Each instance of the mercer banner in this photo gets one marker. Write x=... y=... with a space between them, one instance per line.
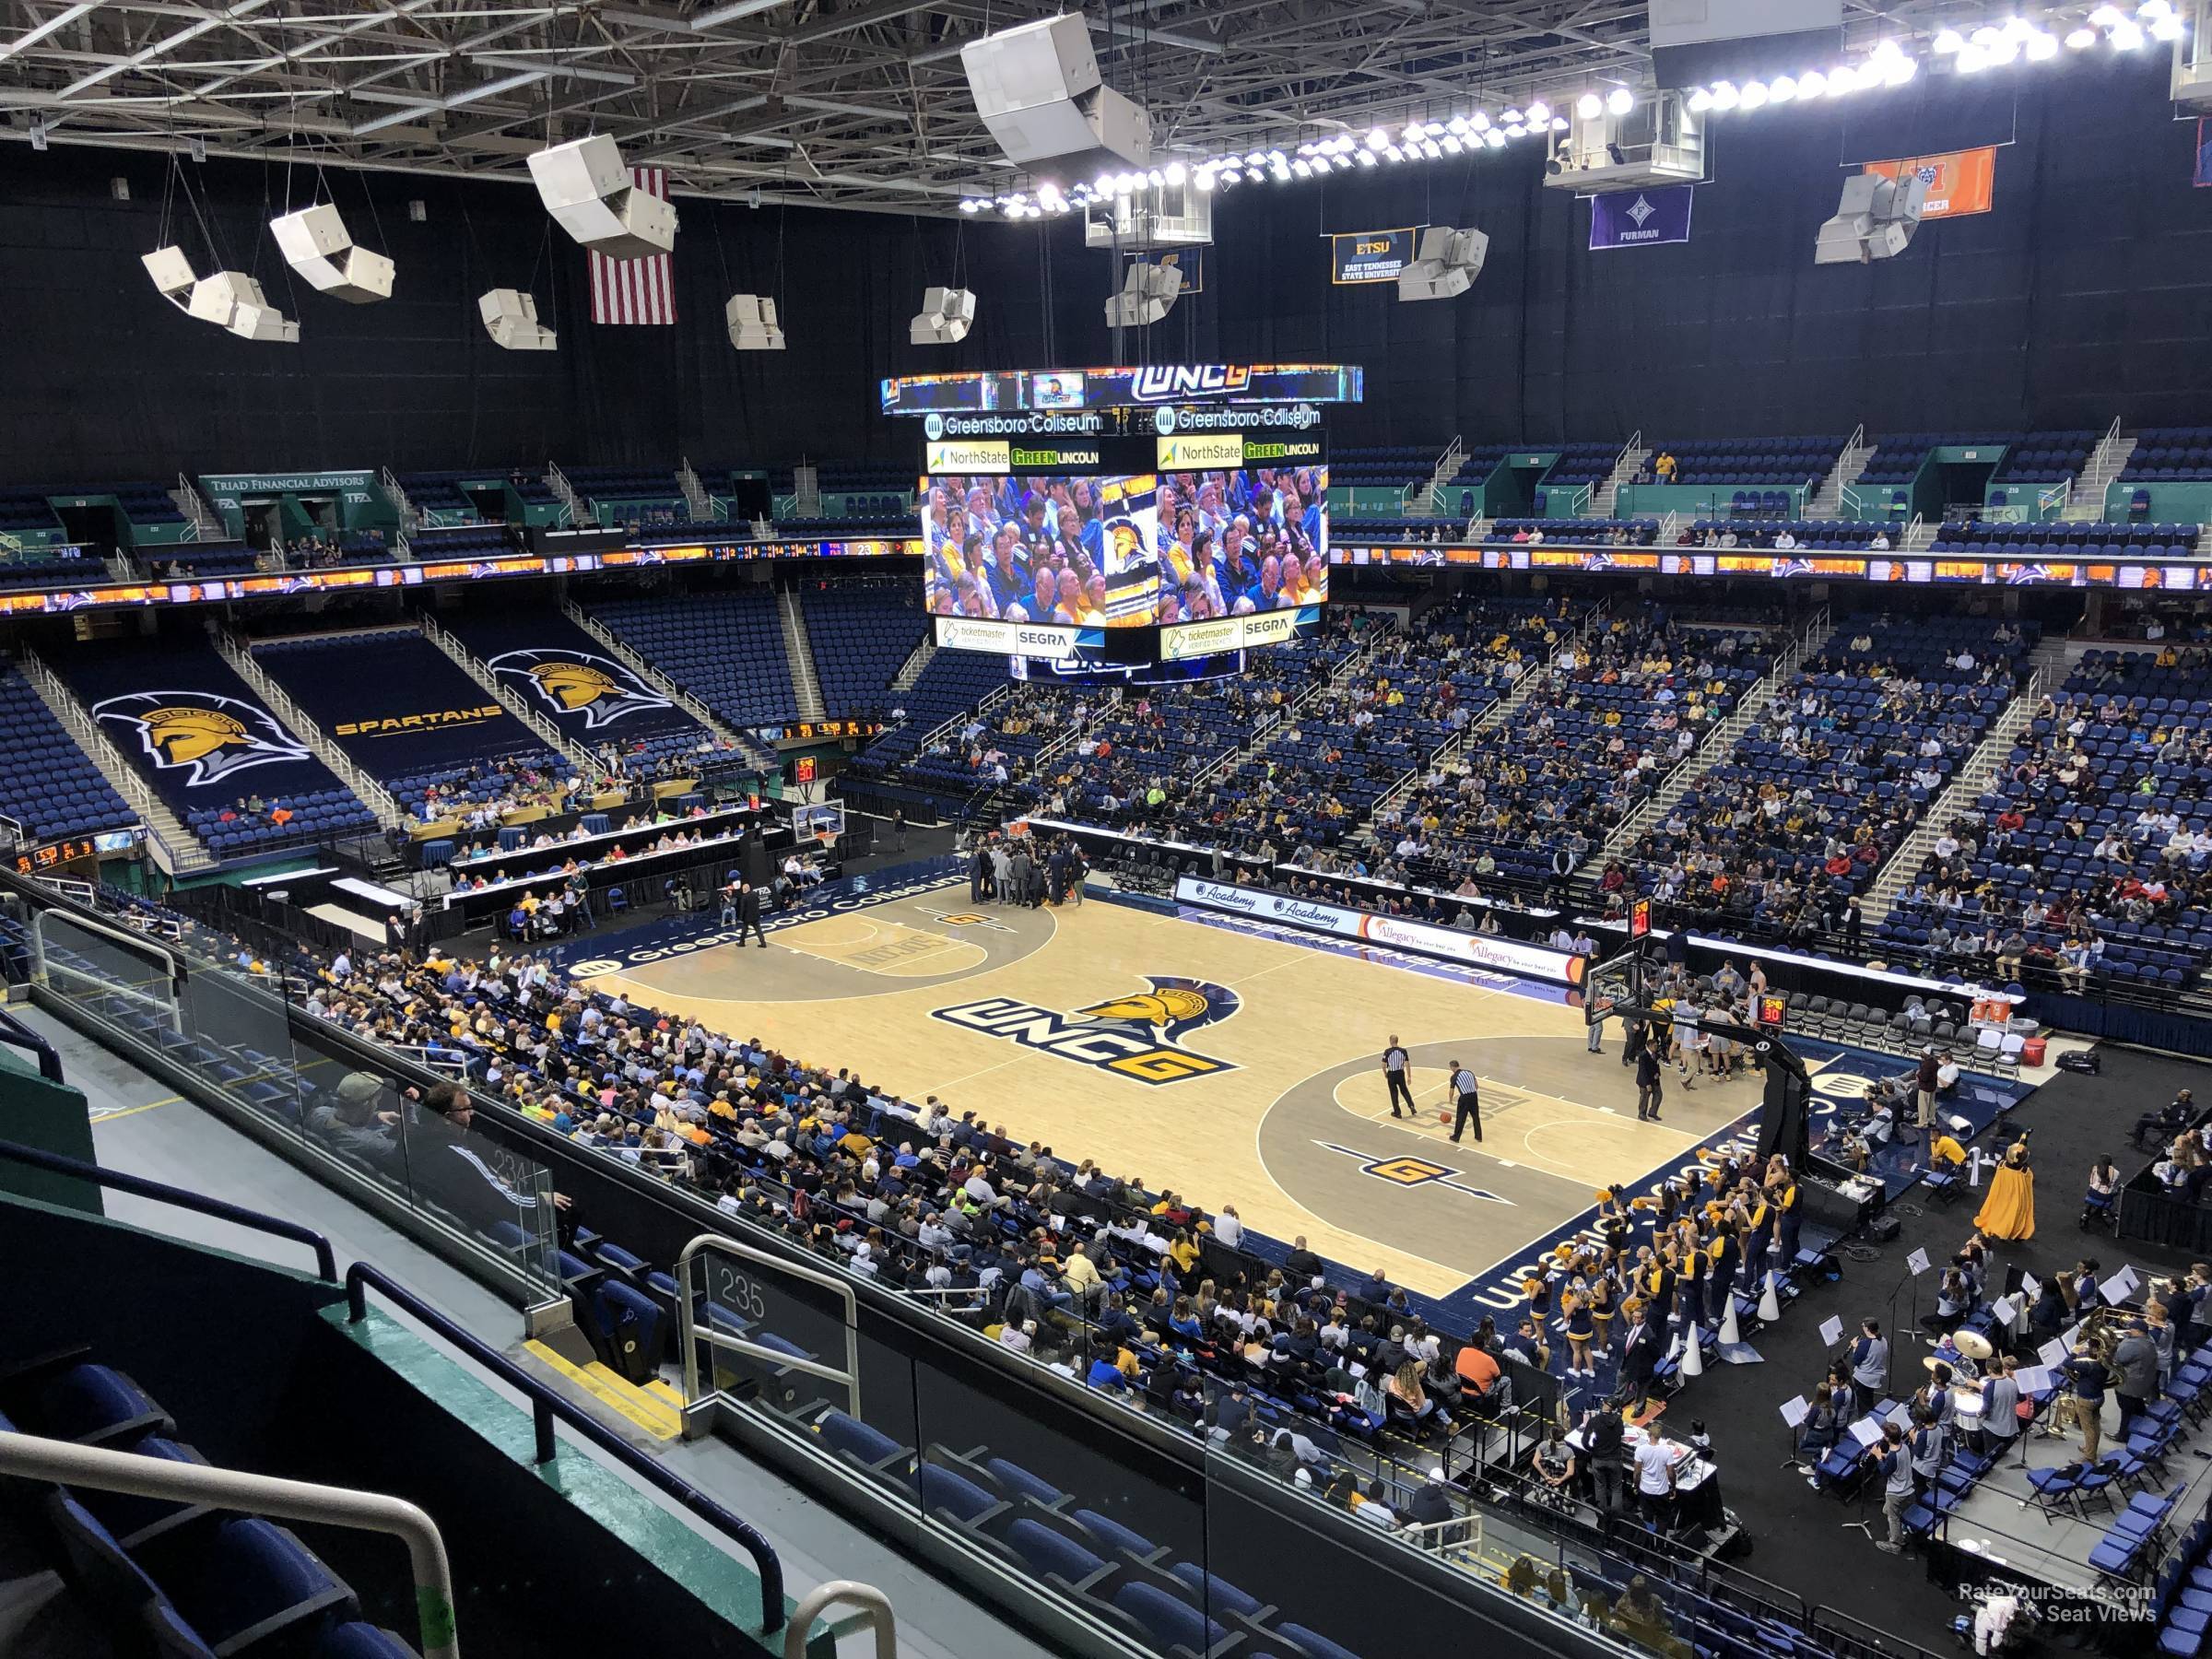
x=1959 y=181
x=1641 y=218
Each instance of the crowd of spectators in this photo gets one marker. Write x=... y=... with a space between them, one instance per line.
x=1613 y=712
x=1788 y=830
x=2091 y=852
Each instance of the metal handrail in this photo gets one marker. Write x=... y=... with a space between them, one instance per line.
x=691 y=1335
x=139 y=1186
x=39 y=1459
x=137 y=941
x=15 y=1034
x=870 y=1600
x=547 y=1406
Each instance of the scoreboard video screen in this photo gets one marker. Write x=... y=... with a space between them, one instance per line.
x=1111 y=549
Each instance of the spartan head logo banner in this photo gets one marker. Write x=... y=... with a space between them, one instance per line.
x=206 y=737
x=577 y=682
x=1135 y=1036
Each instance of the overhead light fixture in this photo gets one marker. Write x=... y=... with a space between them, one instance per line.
x=2081 y=40
x=2041 y=48
x=314 y=243
x=1946 y=41
x=1539 y=113
x=511 y=319
x=1495 y=139
x=594 y=198
x=1148 y=294
x=1203 y=178
x=1589 y=106
x=1783 y=91
x=2168 y=28
x=1620 y=100
x=945 y=318
x=1724 y=96
x=1811 y=84
x=731 y=13
x=1876 y=220
x=1367 y=158
x=1445 y=264
x=2126 y=37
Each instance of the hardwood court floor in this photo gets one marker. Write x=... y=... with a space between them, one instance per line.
x=1277 y=1105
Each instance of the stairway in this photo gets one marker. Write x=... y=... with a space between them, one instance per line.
x=1968 y=784
x=206 y=524
x=916 y=661
x=1828 y=502
x=372 y=794
x=1432 y=503
x=550 y=735
x=1497 y=714
x=806 y=491
x=1919 y=537
x=800 y=651
x=667 y=687
x=410 y=515
x=1632 y=457
x=579 y=513
x=174 y=848
x=2085 y=505
x=697 y=501
x=1716 y=745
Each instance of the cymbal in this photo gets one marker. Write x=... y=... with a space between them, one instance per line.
x=1973 y=1344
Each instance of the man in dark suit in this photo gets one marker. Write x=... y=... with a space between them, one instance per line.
x=749 y=914
x=1638 y=1357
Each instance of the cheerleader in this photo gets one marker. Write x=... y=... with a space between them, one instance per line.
x=1692 y=1281
x=1604 y=1290
x=1575 y=1305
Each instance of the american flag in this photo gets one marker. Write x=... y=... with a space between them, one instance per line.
x=635 y=290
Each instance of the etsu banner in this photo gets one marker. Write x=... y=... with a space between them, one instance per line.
x=1641 y=218
x=2204 y=155
x=1369 y=255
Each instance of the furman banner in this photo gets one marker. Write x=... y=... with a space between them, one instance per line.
x=1641 y=218
x=1358 y=257
x=1959 y=181
x=1394 y=933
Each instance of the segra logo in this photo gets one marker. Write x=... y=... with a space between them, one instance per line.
x=1134 y=1036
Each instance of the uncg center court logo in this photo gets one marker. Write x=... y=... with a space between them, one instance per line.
x=1137 y=1036
x=577 y=682
x=205 y=735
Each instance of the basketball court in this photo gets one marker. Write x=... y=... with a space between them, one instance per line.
x=1224 y=1060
